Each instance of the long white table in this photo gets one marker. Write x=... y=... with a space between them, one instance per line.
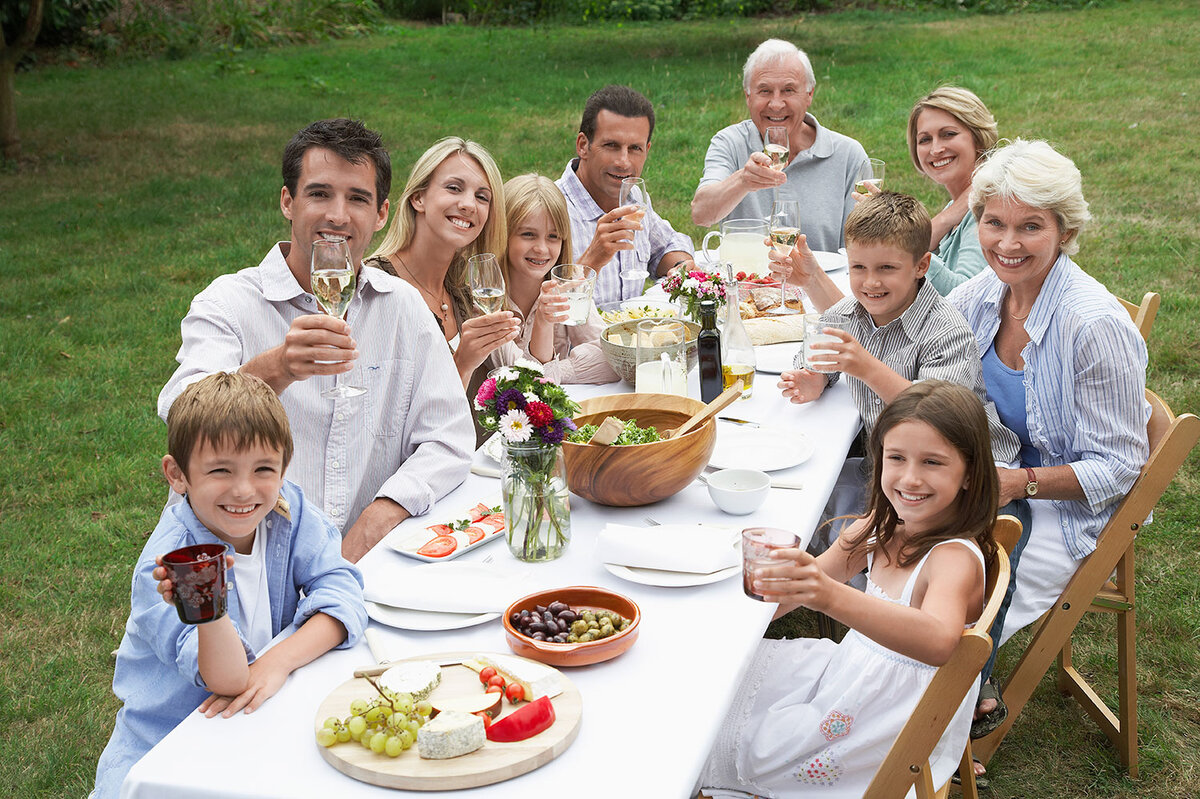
x=652 y=714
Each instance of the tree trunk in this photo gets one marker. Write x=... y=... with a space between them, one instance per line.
x=10 y=56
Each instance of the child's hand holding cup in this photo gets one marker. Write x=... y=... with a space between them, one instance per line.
x=757 y=545
x=194 y=579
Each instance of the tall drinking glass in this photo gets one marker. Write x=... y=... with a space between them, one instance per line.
x=486 y=281
x=576 y=282
x=785 y=229
x=332 y=279
x=661 y=357
x=871 y=172
x=776 y=146
x=633 y=192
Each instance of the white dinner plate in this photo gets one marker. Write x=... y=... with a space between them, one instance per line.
x=764 y=448
x=831 y=261
x=667 y=579
x=425 y=620
x=775 y=359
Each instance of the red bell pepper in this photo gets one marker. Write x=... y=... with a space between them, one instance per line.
x=524 y=722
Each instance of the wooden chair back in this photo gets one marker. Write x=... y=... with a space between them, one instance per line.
x=1171 y=440
x=1143 y=314
x=907 y=762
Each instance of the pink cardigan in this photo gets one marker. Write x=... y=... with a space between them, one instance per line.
x=577 y=354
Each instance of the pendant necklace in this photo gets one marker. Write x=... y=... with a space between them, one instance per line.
x=427 y=292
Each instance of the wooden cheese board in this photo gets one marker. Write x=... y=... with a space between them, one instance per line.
x=494 y=762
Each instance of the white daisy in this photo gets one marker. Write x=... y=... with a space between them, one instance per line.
x=504 y=373
x=532 y=366
x=515 y=426
x=531 y=397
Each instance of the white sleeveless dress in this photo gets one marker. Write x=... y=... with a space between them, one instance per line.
x=816 y=718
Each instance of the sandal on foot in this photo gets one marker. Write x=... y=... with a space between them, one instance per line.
x=981 y=781
x=987 y=723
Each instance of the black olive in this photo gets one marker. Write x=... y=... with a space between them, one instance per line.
x=538 y=636
x=537 y=627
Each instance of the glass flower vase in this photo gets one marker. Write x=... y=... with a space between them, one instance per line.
x=537 y=507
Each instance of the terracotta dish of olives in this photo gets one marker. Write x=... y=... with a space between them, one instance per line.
x=572 y=626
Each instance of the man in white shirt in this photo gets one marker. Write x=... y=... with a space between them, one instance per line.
x=612 y=144
x=822 y=165
x=369 y=461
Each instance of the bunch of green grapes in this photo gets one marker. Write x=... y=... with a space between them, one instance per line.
x=386 y=725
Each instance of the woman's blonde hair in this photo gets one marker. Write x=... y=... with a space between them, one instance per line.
x=965 y=106
x=494 y=236
x=527 y=194
x=1034 y=173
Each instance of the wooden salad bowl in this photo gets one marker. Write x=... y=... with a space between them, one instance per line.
x=638 y=474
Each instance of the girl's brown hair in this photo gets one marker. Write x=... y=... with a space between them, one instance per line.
x=958 y=416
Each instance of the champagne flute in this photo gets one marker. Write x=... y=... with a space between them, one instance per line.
x=333 y=280
x=633 y=192
x=870 y=172
x=785 y=229
x=776 y=147
x=487 y=282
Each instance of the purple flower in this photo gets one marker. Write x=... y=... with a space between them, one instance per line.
x=553 y=432
x=510 y=399
x=569 y=425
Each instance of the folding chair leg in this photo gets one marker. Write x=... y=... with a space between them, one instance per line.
x=966 y=774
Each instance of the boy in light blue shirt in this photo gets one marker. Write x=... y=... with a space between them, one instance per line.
x=228 y=446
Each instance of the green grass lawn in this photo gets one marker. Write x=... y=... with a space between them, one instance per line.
x=145 y=180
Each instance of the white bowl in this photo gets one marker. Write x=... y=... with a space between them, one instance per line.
x=739 y=491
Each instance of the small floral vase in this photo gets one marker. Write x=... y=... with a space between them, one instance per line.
x=537 y=507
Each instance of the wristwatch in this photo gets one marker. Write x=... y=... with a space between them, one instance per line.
x=1031 y=488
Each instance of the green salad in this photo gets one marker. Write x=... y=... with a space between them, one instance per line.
x=632 y=434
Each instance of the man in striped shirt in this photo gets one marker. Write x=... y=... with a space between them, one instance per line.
x=613 y=142
x=369 y=461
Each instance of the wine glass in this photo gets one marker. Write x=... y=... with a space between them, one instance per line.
x=870 y=172
x=487 y=282
x=776 y=147
x=633 y=192
x=785 y=229
x=333 y=280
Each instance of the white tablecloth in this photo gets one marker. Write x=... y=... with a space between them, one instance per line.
x=651 y=715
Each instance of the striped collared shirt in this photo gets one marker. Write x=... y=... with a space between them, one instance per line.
x=1085 y=388
x=659 y=239
x=929 y=341
x=409 y=438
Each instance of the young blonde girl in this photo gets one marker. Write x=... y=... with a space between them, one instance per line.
x=539 y=238
x=818 y=718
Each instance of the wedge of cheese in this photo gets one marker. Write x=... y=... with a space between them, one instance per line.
x=418 y=678
x=451 y=733
x=536 y=679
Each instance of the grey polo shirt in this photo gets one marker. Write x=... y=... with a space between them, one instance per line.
x=821 y=177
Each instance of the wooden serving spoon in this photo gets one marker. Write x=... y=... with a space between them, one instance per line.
x=723 y=401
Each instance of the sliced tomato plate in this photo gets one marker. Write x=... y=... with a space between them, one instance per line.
x=441 y=541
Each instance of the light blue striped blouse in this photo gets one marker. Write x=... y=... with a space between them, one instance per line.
x=1085 y=388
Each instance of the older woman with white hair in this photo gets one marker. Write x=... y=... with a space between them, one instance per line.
x=821 y=167
x=1066 y=369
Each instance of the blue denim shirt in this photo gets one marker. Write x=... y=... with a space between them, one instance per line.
x=1085 y=388
x=158 y=675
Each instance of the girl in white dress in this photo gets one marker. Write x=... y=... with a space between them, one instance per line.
x=817 y=718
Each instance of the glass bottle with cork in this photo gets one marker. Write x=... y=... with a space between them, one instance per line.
x=737 y=351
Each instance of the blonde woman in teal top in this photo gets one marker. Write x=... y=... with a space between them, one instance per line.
x=949 y=131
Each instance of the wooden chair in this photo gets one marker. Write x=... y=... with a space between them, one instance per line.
x=1143 y=315
x=907 y=762
x=1171 y=439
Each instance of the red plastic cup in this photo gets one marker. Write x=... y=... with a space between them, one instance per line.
x=757 y=545
x=197 y=575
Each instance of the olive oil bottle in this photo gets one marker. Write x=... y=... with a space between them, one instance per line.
x=708 y=350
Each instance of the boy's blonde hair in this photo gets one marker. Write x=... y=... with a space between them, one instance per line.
x=527 y=194
x=891 y=218
x=227 y=408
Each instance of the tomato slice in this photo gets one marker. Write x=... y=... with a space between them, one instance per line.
x=439 y=547
x=478 y=512
x=474 y=534
x=440 y=529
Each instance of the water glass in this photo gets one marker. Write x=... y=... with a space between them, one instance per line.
x=757 y=545
x=575 y=282
x=816 y=359
x=661 y=357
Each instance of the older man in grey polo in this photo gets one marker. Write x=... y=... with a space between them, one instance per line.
x=738 y=181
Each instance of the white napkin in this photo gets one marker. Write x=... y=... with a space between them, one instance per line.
x=696 y=548
x=450 y=588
